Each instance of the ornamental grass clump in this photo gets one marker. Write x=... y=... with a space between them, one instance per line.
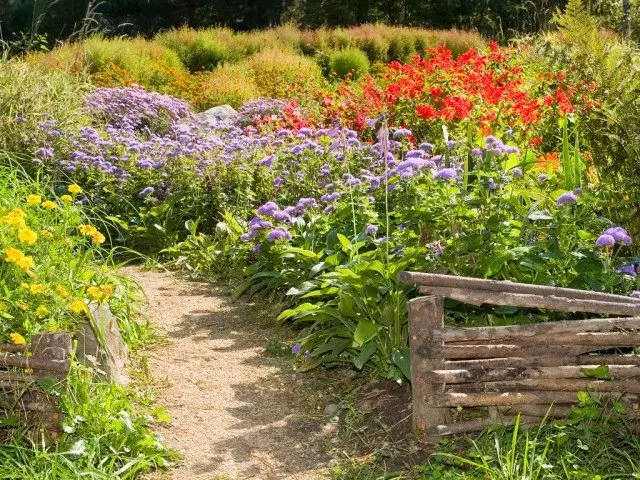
x=197 y=49
x=349 y=62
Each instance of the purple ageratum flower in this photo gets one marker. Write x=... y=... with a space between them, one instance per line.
x=279 y=233
x=305 y=131
x=281 y=216
x=619 y=234
x=517 y=172
x=268 y=208
x=577 y=191
x=401 y=133
x=327 y=210
x=371 y=230
x=267 y=161
x=635 y=294
x=145 y=192
x=476 y=152
x=285 y=132
x=256 y=248
x=307 y=202
x=277 y=182
x=414 y=154
x=628 y=270
x=352 y=181
x=296 y=349
x=605 y=240
x=567 y=198
x=426 y=147
x=445 y=174
x=543 y=177
x=451 y=144
x=491 y=185
x=257 y=223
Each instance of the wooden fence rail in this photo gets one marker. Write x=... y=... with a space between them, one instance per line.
x=23 y=369
x=520 y=368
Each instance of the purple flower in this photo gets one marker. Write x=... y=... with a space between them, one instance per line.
x=628 y=270
x=281 y=216
x=577 y=191
x=476 y=152
x=296 y=349
x=451 y=144
x=517 y=172
x=445 y=174
x=267 y=161
x=635 y=294
x=401 y=133
x=605 y=240
x=491 y=185
x=619 y=234
x=426 y=147
x=268 y=208
x=567 y=198
x=146 y=191
x=256 y=248
x=279 y=233
x=371 y=229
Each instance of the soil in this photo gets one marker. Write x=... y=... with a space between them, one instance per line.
x=238 y=408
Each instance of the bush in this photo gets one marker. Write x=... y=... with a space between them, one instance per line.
x=229 y=84
x=276 y=72
x=29 y=95
x=401 y=46
x=197 y=49
x=350 y=61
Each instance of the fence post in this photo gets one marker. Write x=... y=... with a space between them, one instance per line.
x=425 y=315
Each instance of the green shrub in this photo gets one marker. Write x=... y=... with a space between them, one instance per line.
x=350 y=61
x=229 y=84
x=276 y=72
x=401 y=46
x=28 y=95
x=197 y=49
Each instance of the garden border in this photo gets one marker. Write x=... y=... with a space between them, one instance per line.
x=533 y=369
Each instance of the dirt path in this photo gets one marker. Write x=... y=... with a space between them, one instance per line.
x=234 y=409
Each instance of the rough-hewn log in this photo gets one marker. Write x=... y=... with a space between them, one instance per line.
x=552 y=411
x=523 y=373
x=553 y=385
x=602 y=340
x=12 y=348
x=500 y=399
x=9 y=376
x=480 y=423
x=526 y=300
x=463 y=352
x=10 y=360
x=437 y=280
x=425 y=315
x=543 y=361
x=531 y=331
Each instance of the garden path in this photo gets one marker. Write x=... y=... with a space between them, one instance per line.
x=234 y=410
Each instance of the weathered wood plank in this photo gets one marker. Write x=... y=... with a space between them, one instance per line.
x=512 y=373
x=458 y=399
x=425 y=315
x=438 y=280
x=552 y=385
x=526 y=300
x=543 y=361
x=463 y=352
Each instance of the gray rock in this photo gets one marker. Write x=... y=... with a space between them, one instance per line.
x=221 y=113
x=100 y=345
x=331 y=410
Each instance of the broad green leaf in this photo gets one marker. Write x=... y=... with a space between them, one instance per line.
x=344 y=242
x=365 y=331
x=402 y=361
x=302 y=289
x=601 y=372
x=365 y=354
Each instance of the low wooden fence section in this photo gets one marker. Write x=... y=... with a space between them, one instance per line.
x=516 y=369
x=24 y=371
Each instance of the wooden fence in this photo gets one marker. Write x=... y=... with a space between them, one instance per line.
x=25 y=371
x=521 y=368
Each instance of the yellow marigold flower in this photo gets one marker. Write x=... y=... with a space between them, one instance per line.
x=26 y=262
x=107 y=291
x=94 y=293
x=78 y=306
x=62 y=291
x=15 y=218
x=13 y=255
x=87 y=230
x=49 y=205
x=41 y=311
x=17 y=339
x=66 y=198
x=98 y=238
x=28 y=236
x=17 y=212
x=74 y=189
x=36 y=289
x=34 y=200
x=46 y=234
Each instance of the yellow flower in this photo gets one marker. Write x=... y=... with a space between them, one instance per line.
x=46 y=234
x=13 y=255
x=77 y=306
x=15 y=218
x=94 y=293
x=34 y=200
x=28 y=236
x=91 y=231
x=107 y=291
x=49 y=205
x=52 y=326
x=36 y=289
x=66 y=198
x=98 y=238
x=26 y=262
x=73 y=189
x=62 y=291
x=22 y=306
x=41 y=311
x=17 y=339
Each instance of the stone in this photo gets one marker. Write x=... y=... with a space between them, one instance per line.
x=221 y=113
x=100 y=345
x=331 y=410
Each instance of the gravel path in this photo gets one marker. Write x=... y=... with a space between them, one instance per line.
x=234 y=412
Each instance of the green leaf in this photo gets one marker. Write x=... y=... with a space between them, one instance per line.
x=402 y=361
x=365 y=331
x=291 y=312
x=304 y=287
x=601 y=372
x=300 y=251
x=365 y=354
x=539 y=215
x=344 y=241
x=346 y=304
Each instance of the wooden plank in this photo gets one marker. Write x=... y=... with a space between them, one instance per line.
x=522 y=373
x=553 y=385
x=552 y=411
x=34 y=363
x=456 y=399
x=543 y=361
x=438 y=280
x=4 y=347
x=464 y=352
x=425 y=315
x=480 y=423
x=525 y=300
x=527 y=331
x=595 y=339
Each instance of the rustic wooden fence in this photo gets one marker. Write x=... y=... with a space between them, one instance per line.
x=24 y=371
x=516 y=369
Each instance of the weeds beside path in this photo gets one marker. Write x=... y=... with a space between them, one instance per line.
x=234 y=410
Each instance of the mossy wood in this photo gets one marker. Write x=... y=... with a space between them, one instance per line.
x=534 y=369
x=27 y=373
